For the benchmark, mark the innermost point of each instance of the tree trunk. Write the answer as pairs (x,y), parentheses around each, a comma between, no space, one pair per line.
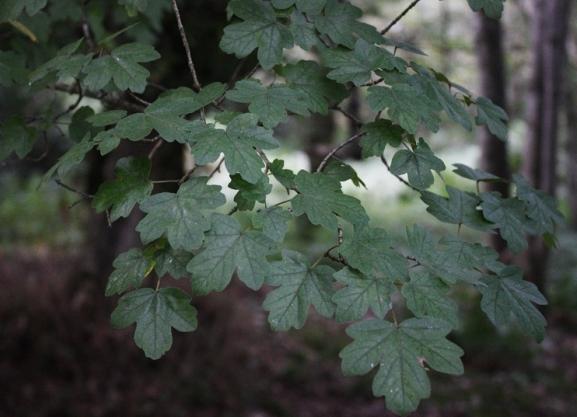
(550,27)
(491,58)
(571,148)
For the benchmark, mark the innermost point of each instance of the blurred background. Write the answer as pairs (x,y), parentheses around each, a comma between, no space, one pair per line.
(59,355)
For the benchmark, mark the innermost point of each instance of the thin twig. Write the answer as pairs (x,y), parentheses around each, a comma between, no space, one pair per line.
(217,168)
(74,190)
(159,142)
(280,203)
(186,176)
(195,83)
(399,17)
(348,115)
(74,105)
(265,159)
(374,82)
(326,159)
(140,100)
(324,255)
(86,30)
(235,73)
(398,177)
(117,102)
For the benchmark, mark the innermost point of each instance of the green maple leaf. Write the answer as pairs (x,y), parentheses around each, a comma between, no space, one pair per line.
(140,5)
(370,250)
(508,296)
(342,172)
(306,6)
(299,287)
(317,91)
(122,67)
(360,293)
(248,194)
(11,9)
(258,30)
(439,92)
(270,104)
(130,269)
(155,314)
(106,141)
(228,248)
(131,186)
(339,22)
(418,165)
(407,105)
(321,199)
(106,118)
(400,353)
(172,262)
(66,64)
(470,255)
(79,125)
(237,144)
(378,135)
(426,296)
(16,137)
(180,216)
(358,65)
(12,69)
(284,176)
(492,116)
(474,174)
(509,216)
(439,261)
(303,31)
(165,114)
(273,222)
(541,207)
(74,156)
(459,208)
(492,8)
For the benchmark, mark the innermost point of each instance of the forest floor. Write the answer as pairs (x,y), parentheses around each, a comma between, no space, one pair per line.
(60,357)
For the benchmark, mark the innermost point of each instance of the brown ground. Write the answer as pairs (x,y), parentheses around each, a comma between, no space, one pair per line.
(59,357)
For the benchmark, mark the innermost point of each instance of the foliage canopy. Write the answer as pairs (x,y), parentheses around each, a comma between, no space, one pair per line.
(185,235)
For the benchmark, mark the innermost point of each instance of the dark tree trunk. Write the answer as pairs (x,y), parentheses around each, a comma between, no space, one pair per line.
(571,148)
(550,27)
(489,42)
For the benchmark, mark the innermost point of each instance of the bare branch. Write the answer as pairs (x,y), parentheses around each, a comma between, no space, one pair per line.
(108,99)
(348,115)
(399,17)
(326,159)
(217,168)
(397,176)
(157,144)
(74,190)
(195,83)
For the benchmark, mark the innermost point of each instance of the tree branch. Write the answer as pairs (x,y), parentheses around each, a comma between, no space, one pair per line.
(399,177)
(399,17)
(113,101)
(74,190)
(326,159)
(348,115)
(195,83)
